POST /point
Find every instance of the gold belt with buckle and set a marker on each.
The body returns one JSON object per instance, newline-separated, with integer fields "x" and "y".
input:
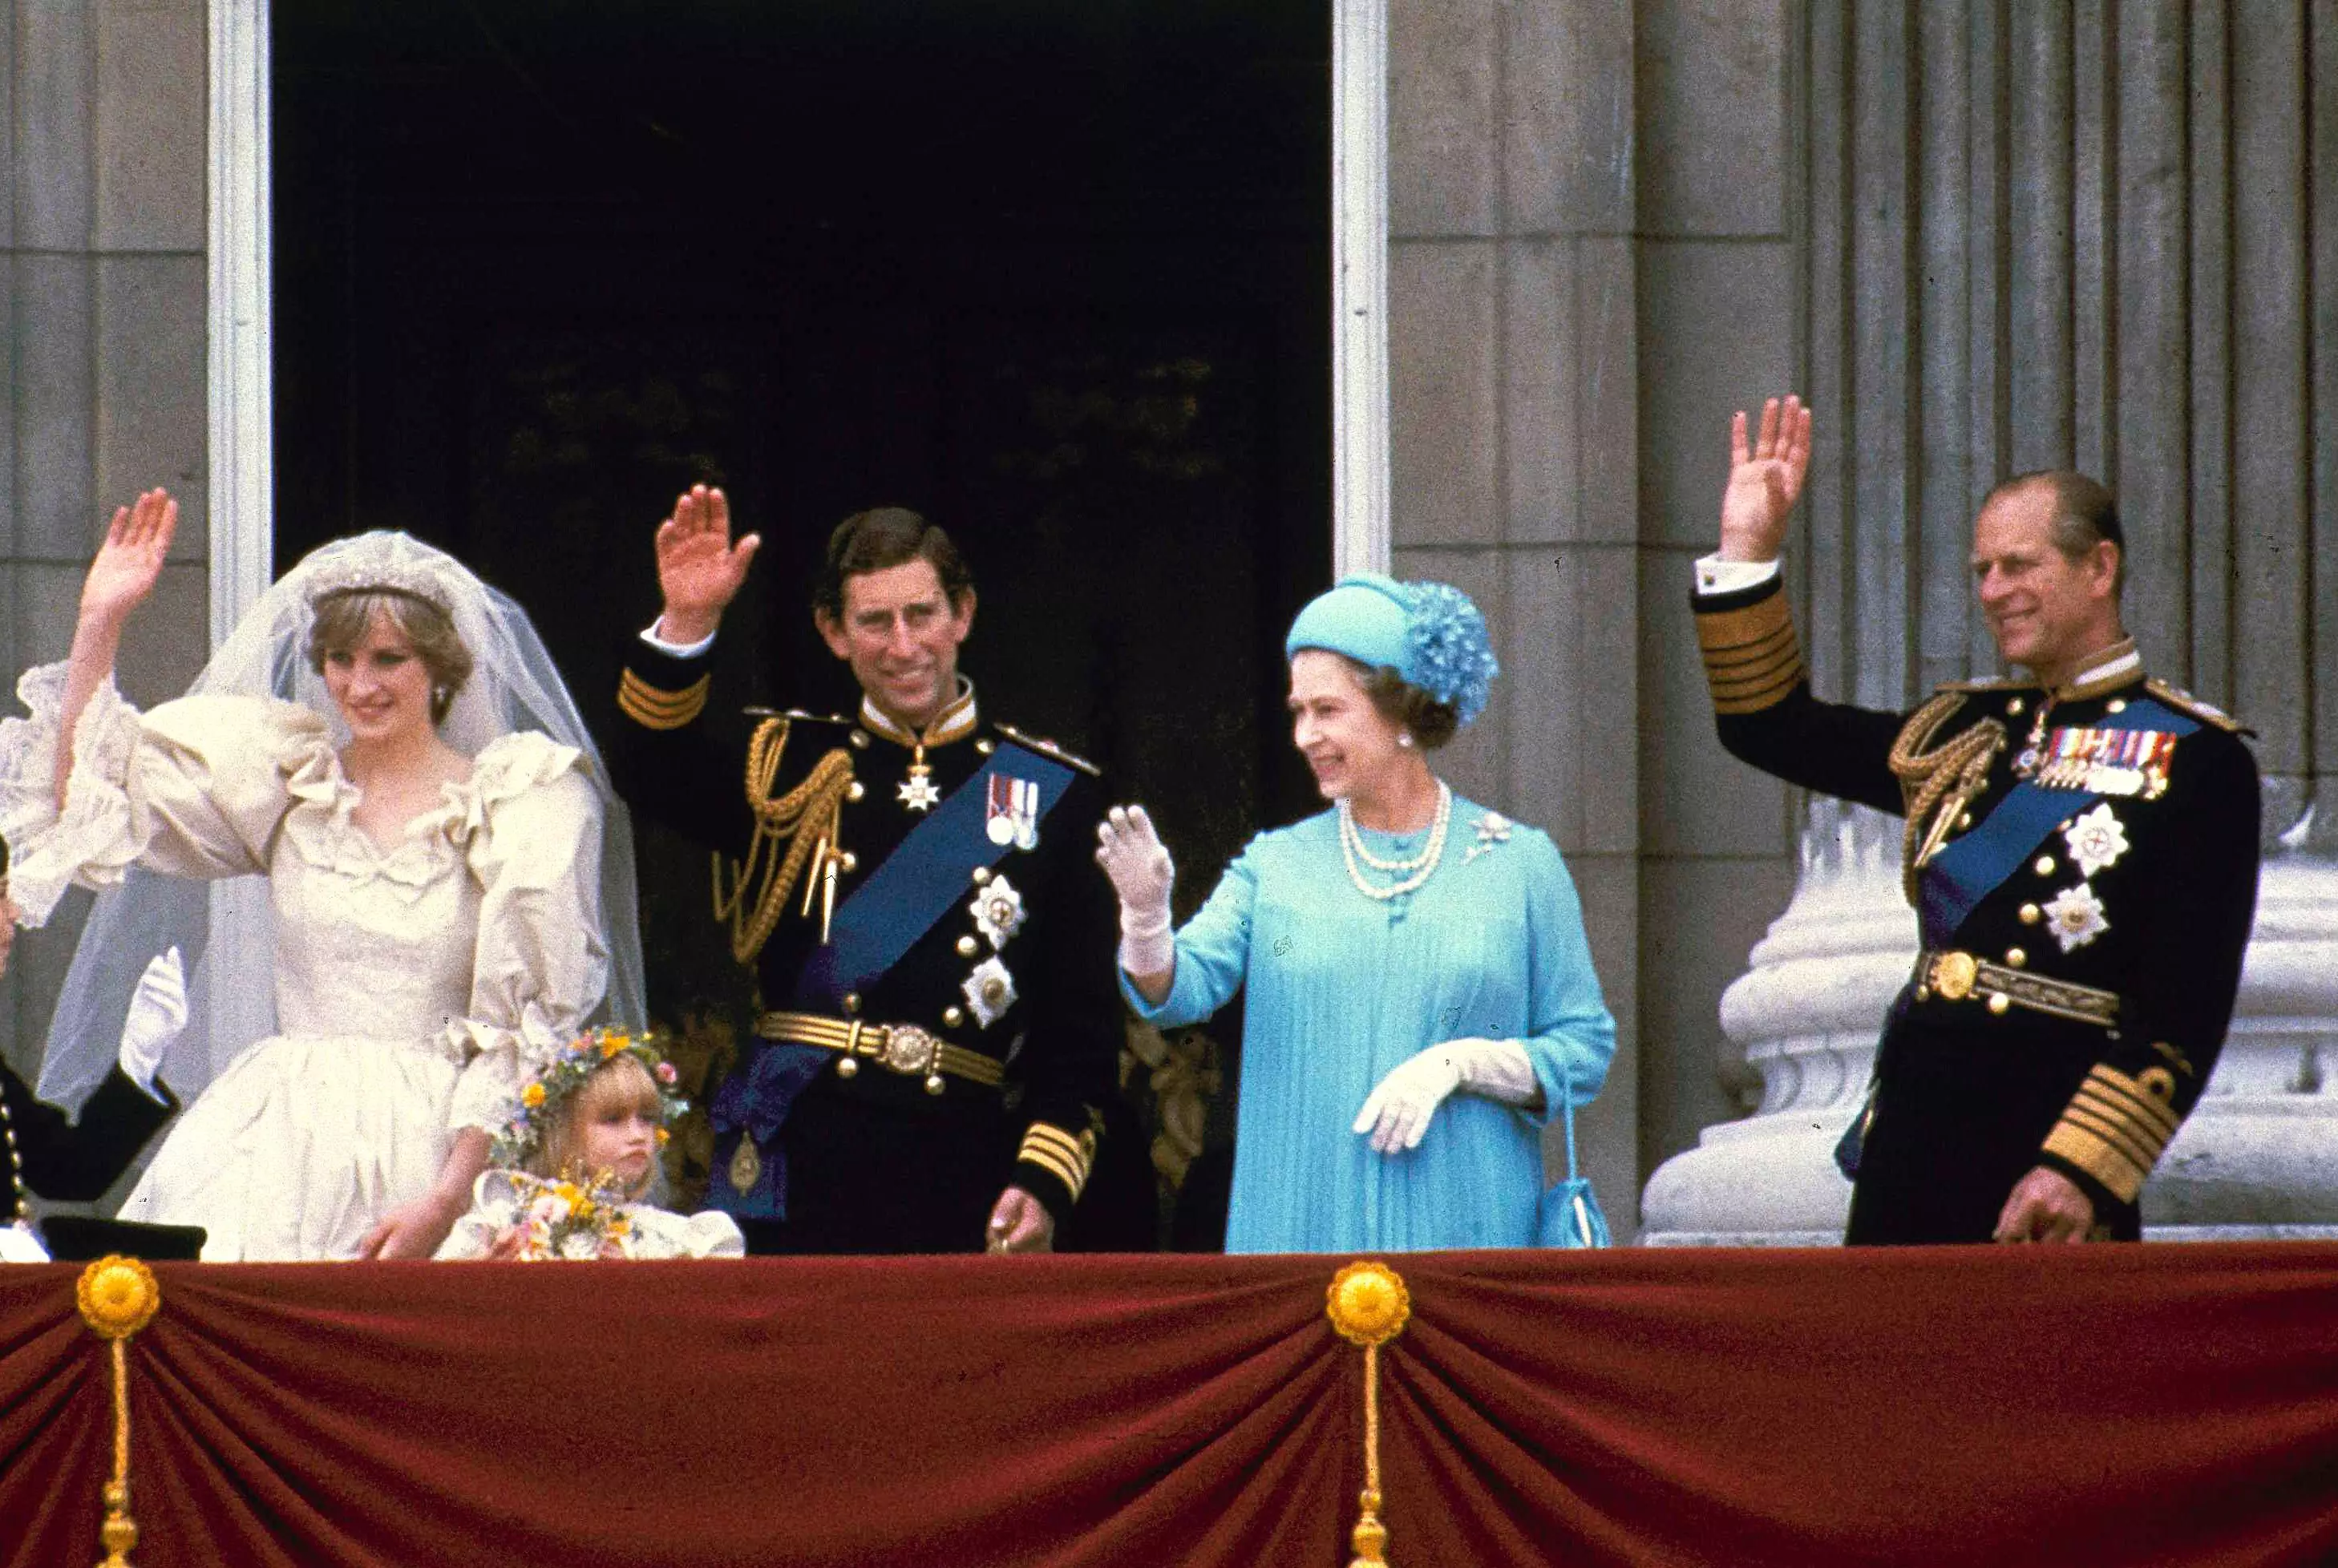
{"x": 1957, "y": 976}
{"x": 902, "y": 1048}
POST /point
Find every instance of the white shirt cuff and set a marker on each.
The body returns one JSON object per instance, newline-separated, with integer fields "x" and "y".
{"x": 1715, "y": 575}
{"x": 676, "y": 650}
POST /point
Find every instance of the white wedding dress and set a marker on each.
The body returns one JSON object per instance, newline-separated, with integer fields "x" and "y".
{"x": 414, "y": 982}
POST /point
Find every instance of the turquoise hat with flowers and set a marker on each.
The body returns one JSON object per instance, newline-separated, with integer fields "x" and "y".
{"x": 1428, "y": 633}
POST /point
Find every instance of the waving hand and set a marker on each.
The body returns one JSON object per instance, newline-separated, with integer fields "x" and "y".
{"x": 1766, "y": 480}
{"x": 699, "y": 570}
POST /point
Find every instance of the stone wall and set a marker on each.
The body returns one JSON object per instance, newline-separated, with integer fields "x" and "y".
{"x": 1591, "y": 261}
{"x": 102, "y": 244}
{"x": 1513, "y": 350}
{"x": 2074, "y": 234}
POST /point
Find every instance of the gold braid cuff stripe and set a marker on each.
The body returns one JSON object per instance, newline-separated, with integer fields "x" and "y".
{"x": 2089, "y": 1152}
{"x": 1937, "y": 783}
{"x": 1752, "y": 658}
{"x": 1053, "y": 1165}
{"x": 1052, "y": 1149}
{"x": 2116, "y": 1128}
{"x": 653, "y": 709}
{"x": 788, "y": 831}
{"x": 117, "y": 1297}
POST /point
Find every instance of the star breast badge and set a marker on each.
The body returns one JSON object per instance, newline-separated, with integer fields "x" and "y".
{"x": 990, "y": 991}
{"x": 2074, "y": 916}
{"x": 2097, "y": 839}
{"x": 998, "y": 911}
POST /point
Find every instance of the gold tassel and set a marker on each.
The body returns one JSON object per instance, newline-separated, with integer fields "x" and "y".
{"x": 1369, "y": 1306}
{"x": 117, "y": 1297}
{"x": 807, "y": 816}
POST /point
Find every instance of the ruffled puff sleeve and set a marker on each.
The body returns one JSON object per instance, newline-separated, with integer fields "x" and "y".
{"x": 658, "y": 1233}
{"x": 532, "y": 837}
{"x": 196, "y": 788}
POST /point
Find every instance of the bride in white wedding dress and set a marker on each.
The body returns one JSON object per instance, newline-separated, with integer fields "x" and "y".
{"x": 438, "y": 870}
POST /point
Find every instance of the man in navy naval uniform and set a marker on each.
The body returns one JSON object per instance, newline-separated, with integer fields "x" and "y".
{"x": 2081, "y": 847}
{"x": 912, "y": 886}
{"x": 44, "y": 1151}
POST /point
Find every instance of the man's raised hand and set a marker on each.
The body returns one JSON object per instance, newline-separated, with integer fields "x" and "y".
{"x": 1766, "y": 480}
{"x": 699, "y": 570}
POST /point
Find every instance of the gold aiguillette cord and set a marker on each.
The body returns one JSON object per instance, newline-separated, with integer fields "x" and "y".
{"x": 789, "y": 832}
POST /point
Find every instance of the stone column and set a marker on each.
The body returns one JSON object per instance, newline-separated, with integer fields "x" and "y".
{"x": 102, "y": 253}
{"x": 2086, "y": 241}
{"x": 1513, "y": 377}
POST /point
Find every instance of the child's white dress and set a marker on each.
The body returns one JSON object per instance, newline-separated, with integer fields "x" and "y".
{"x": 502, "y": 1198}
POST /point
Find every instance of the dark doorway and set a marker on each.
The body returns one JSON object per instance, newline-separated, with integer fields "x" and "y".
{"x": 1056, "y": 272}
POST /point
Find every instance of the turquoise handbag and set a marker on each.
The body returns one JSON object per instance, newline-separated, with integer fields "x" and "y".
{"x": 1570, "y": 1215}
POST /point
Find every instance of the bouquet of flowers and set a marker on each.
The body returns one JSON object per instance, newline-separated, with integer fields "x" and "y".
{"x": 571, "y": 1220}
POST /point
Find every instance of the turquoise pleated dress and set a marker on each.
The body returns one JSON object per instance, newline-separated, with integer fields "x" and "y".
{"x": 1343, "y": 988}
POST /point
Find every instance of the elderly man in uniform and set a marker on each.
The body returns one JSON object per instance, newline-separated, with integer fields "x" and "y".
{"x": 44, "y": 1151}
{"x": 2081, "y": 849}
{"x": 911, "y": 886}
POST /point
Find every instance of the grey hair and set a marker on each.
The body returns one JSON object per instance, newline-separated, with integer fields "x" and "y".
{"x": 2085, "y": 516}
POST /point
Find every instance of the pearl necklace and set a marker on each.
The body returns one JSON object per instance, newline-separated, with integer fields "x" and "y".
{"x": 1422, "y": 865}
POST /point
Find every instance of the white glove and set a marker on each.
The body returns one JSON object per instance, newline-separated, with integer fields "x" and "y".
{"x": 1138, "y": 863}
{"x": 158, "y": 1016}
{"x": 1397, "y": 1112}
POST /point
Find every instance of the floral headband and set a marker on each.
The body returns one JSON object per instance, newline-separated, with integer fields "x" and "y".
{"x": 522, "y": 1137}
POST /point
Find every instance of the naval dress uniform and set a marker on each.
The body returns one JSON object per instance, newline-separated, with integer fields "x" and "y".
{"x": 934, "y": 950}
{"x": 2084, "y": 865}
{"x": 47, "y": 1153}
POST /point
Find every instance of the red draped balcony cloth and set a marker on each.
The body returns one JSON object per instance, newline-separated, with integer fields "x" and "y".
{"x": 2093, "y": 1406}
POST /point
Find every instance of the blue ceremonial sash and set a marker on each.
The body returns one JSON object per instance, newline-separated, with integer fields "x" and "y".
{"x": 1975, "y": 865}
{"x": 928, "y": 873}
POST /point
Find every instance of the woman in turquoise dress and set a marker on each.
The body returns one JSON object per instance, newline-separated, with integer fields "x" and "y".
{"x": 1421, "y": 999}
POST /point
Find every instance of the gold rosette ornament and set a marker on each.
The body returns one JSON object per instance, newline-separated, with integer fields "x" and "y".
{"x": 117, "y": 1297}
{"x": 1369, "y": 1306}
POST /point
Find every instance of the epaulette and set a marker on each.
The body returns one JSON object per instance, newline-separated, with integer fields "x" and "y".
{"x": 2184, "y": 702}
{"x": 1991, "y": 684}
{"x": 795, "y": 713}
{"x": 1049, "y": 749}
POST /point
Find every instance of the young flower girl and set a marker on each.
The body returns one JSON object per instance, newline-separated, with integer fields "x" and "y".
{"x": 572, "y": 1165}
